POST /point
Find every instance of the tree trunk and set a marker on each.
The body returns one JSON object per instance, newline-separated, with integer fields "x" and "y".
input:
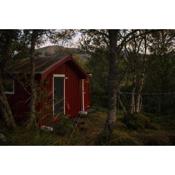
{"x": 141, "y": 80}
{"x": 112, "y": 99}
{"x": 139, "y": 94}
{"x": 6, "y": 110}
{"x": 112, "y": 80}
{"x": 138, "y": 103}
{"x": 122, "y": 105}
{"x": 32, "y": 121}
{"x": 132, "y": 105}
{"x": 138, "y": 99}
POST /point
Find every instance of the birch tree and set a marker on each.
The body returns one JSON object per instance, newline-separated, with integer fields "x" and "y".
{"x": 137, "y": 59}
{"x": 113, "y": 41}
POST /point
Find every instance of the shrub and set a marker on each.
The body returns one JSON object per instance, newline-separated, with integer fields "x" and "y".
{"x": 137, "y": 121}
{"x": 64, "y": 126}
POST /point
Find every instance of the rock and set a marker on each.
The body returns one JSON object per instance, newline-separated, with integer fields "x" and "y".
{"x": 47, "y": 128}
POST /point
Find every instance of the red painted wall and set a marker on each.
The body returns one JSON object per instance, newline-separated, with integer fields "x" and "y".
{"x": 73, "y": 91}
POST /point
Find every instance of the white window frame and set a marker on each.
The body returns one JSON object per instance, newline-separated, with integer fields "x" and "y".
{"x": 13, "y": 91}
{"x": 53, "y": 85}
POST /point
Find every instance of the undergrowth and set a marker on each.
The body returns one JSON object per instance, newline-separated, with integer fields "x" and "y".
{"x": 136, "y": 129}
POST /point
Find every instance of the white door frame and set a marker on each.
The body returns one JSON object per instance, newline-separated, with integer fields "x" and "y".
{"x": 54, "y": 76}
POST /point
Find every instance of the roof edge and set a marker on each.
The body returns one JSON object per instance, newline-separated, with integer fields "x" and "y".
{"x": 62, "y": 61}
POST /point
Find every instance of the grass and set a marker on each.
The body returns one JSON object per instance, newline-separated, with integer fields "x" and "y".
{"x": 142, "y": 129}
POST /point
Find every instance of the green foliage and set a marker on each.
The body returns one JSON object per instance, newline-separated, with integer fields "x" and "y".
{"x": 160, "y": 79}
{"x": 137, "y": 121}
{"x": 82, "y": 60}
{"x": 98, "y": 66}
{"x": 64, "y": 126}
{"x": 166, "y": 121}
{"x": 22, "y": 136}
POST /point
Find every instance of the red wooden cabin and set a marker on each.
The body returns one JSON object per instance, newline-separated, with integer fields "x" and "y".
{"x": 62, "y": 88}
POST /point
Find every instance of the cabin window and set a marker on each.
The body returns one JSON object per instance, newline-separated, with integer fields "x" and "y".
{"x": 9, "y": 86}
